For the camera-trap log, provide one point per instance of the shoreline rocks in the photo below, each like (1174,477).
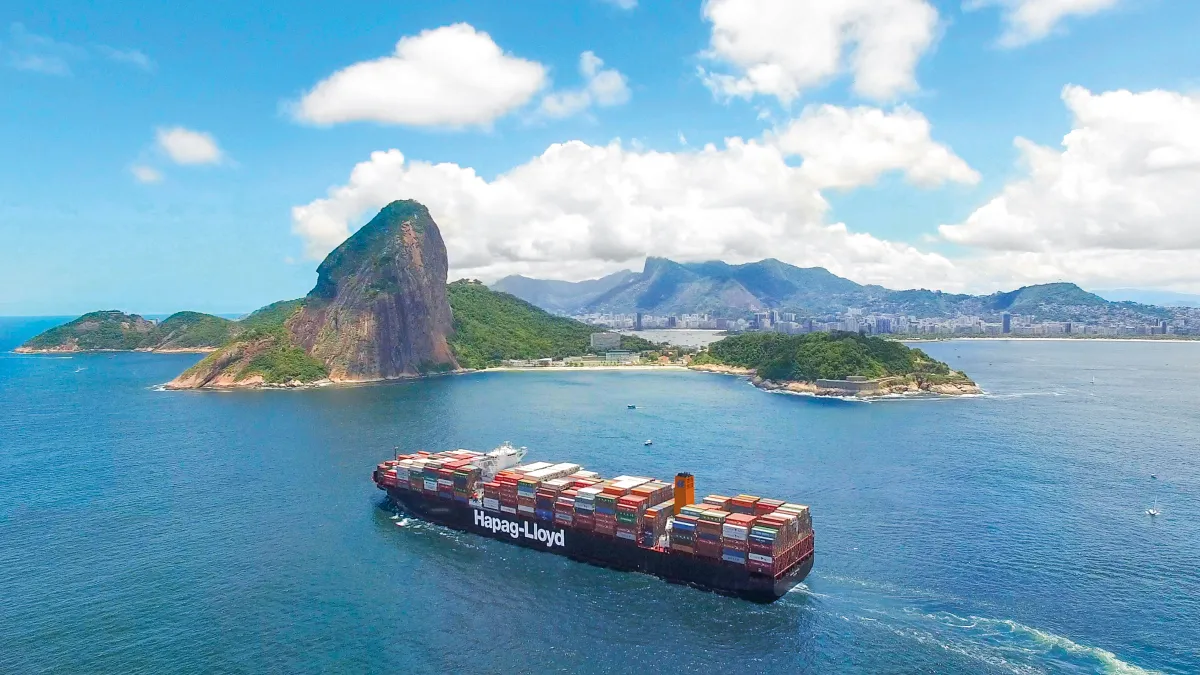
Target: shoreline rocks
(896,386)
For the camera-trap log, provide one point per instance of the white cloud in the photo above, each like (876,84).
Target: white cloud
(185,146)
(782,47)
(1116,203)
(623,4)
(454,76)
(31,52)
(579,210)
(145,174)
(1027,21)
(604,87)
(845,148)
(133,57)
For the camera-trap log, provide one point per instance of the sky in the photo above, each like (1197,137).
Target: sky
(207,156)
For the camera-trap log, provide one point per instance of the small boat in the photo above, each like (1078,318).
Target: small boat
(648,442)
(1153,510)
(631,406)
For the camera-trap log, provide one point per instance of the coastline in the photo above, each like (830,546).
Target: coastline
(899,387)
(183,350)
(967,338)
(569,368)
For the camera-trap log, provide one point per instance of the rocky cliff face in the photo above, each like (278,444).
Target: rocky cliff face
(379,309)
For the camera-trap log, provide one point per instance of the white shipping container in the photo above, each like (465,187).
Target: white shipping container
(524,509)
(766,559)
(491,504)
(507,509)
(728,557)
(431,485)
(735,532)
(626,535)
(526,468)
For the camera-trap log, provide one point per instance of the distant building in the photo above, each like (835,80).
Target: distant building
(606,341)
(672,322)
(1006,323)
(637,322)
(619,356)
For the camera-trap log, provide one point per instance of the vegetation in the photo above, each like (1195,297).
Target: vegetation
(190,330)
(282,362)
(490,327)
(108,330)
(823,356)
(271,317)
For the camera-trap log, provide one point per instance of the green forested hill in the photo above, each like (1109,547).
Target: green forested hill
(825,355)
(490,327)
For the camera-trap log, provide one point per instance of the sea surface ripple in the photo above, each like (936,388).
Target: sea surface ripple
(145,531)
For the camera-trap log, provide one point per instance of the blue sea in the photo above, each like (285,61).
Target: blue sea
(144,531)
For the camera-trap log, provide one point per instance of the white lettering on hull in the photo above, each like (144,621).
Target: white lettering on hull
(518,529)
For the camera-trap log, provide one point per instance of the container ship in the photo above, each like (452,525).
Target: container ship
(743,546)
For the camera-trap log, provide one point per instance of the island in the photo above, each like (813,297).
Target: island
(833,364)
(381,310)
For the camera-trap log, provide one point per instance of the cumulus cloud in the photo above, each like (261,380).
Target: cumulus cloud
(603,87)
(579,210)
(848,147)
(186,146)
(454,76)
(1027,21)
(782,47)
(145,174)
(1116,202)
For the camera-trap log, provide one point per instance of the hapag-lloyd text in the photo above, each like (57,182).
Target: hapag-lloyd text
(517,529)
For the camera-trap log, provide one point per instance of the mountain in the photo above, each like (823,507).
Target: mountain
(1151,297)
(559,296)
(112,330)
(490,327)
(665,287)
(378,311)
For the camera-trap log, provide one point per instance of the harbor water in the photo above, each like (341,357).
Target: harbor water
(145,531)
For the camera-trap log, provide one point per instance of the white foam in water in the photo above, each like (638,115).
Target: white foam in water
(1001,643)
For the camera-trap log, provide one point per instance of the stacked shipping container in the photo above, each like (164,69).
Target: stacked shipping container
(766,536)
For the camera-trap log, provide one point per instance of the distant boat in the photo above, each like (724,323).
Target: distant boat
(631,406)
(648,442)
(1153,510)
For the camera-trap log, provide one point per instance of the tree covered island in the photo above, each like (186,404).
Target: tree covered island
(833,364)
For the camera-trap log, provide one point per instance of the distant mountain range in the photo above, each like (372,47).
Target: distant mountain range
(1151,297)
(665,287)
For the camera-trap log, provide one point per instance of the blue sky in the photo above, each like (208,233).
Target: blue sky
(233,116)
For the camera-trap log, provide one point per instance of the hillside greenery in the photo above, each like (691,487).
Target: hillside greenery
(815,356)
(103,330)
(190,330)
(280,361)
(490,327)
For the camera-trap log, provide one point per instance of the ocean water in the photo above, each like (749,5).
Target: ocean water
(144,531)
